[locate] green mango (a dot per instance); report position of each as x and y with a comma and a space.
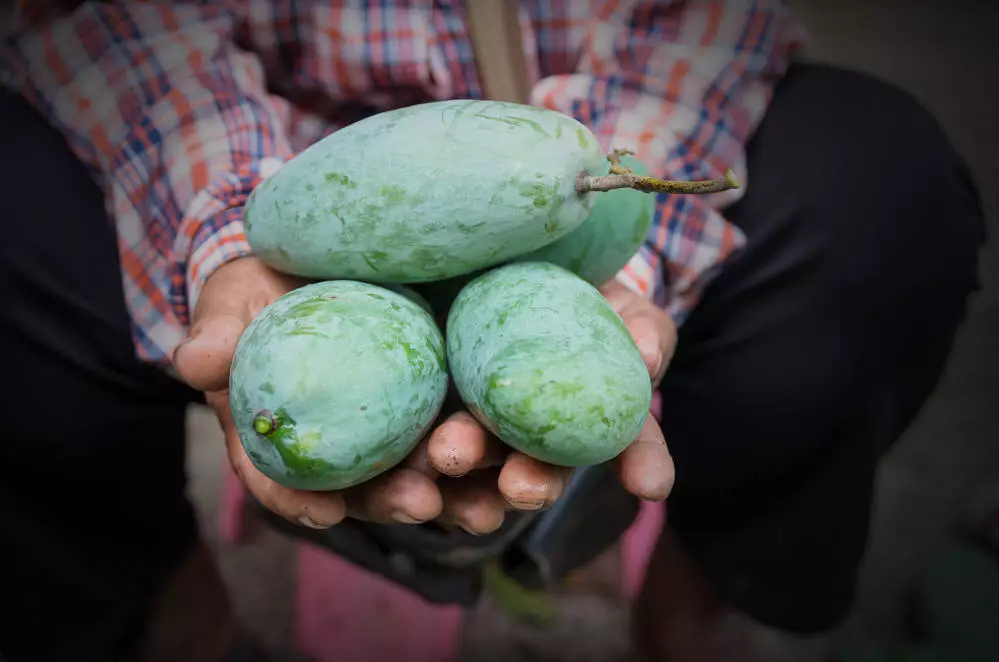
440, 294
336, 382
425, 192
541, 359
611, 235
410, 293
596, 251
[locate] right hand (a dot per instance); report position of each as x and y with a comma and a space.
230, 299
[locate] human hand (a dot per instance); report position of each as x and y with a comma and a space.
460, 475
494, 478
230, 299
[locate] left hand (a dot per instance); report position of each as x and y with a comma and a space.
461, 446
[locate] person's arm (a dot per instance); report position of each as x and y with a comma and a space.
177, 128
175, 123
684, 84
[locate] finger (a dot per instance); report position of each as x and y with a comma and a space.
231, 296
654, 338
203, 359
400, 496
460, 444
318, 510
418, 460
618, 295
528, 484
651, 327
646, 467
473, 503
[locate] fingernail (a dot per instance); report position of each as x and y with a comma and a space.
305, 520
469, 531
404, 518
527, 504
650, 351
660, 373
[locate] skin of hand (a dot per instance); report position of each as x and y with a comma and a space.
460, 474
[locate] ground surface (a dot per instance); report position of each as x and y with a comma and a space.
941, 52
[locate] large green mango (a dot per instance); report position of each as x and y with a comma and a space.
425, 192
336, 382
542, 360
611, 235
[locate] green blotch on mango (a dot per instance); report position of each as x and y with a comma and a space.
336, 382
425, 192
542, 360
608, 239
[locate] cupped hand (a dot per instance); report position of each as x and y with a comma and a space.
460, 474
494, 479
230, 299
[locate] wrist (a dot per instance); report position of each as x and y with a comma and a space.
215, 245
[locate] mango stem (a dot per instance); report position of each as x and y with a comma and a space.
599, 183
265, 422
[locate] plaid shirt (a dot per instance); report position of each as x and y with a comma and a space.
180, 108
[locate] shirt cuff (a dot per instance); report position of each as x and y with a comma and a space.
220, 242
216, 229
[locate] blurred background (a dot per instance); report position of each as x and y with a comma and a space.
941, 52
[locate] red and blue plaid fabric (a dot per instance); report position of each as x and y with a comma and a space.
180, 108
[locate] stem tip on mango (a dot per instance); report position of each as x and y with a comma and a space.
265, 422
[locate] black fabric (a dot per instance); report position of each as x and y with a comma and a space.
816, 347
806, 359
92, 504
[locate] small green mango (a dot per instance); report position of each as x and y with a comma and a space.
336, 382
542, 360
425, 192
611, 235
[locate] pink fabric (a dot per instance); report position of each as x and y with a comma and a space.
657, 404
637, 545
639, 540
230, 512
345, 614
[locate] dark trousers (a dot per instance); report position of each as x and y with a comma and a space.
806, 359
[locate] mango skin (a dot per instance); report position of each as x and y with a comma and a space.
542, 360
611, 235
412, 294
353, 374
425, 192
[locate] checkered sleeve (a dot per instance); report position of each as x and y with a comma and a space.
683, 84
175, 125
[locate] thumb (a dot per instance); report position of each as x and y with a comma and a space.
230, 298
651, 327
203, 359
655, 337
